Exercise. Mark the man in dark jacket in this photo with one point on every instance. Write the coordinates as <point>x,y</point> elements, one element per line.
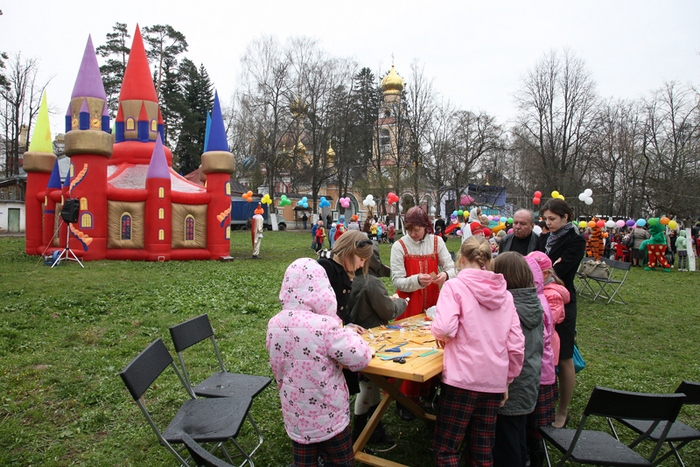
<point>523,239</point>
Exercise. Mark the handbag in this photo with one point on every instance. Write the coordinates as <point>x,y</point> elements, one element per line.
<point>579,362</point>
<point>594,269</point>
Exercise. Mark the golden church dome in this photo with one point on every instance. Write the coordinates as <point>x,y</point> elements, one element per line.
<point>330,152</point>
<point>392,82</point>
<point>300,148</point>
<point>298,107</point>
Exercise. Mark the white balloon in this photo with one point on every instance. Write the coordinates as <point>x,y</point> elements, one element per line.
<point>582,197</point>
<point>432,209</point>
<point>588,201</point>
<point>537,229</point>
<point>372,203</point>
<point>610,224</point>
<point>588,192</point>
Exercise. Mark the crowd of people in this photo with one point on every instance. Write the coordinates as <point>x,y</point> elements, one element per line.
<point>509,298</point>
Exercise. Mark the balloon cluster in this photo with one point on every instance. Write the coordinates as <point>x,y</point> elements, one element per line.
<point>537,197</point>
<point>586,196</point>
<point>369,202</point>
<point>620,223</point>
<point>391,198</point>
<point>344,202</point>
<point>266,199</point>
<point>248,196</point>
<point>324,203</point>
<point>284,201</point>
<point>304,202</point>
<point>556,194</point>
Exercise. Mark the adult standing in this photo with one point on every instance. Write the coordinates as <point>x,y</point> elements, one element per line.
<point>304,219</point>
<point>523,240</point>
<point>416,260</point>
<point>639,234</point>
<point>565,247</point>
<point>256,231</point>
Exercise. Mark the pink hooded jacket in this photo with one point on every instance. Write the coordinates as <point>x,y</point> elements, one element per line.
<point>307,345</point>
<point>557,296</point>
<point>484,345</point>
<point>549,375</point>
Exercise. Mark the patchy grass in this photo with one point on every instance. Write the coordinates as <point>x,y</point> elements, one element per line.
<point>66,332</point>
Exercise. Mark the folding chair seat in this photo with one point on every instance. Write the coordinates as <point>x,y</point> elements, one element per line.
<point>201,456</point>
<point>599,448</point>
<point>221,383</point>
<point>203,420</point>
<point>679,435</point>
<point>584,287</point>
<point>610,288</point>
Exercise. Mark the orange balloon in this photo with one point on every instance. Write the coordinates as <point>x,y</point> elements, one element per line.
<point>591,224</point>
<point>665,220</point>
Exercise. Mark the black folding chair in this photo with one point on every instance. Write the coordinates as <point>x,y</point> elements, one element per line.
<point>600,448</point>
<point>203,420</point>
<point>201,456</point>
<point>679,435</point>
<point>221,383</point>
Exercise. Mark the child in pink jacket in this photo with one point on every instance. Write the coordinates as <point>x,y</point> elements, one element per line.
<point>547,397</point>
<point>308,347</point>
<point>557,295</point>
<point>484,349</point>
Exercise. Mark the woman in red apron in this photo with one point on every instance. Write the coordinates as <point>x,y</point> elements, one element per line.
<point>416,260</point>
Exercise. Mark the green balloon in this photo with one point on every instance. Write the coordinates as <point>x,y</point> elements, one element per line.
<point>653,221</point>
<point>460,213</point>
<point>510,220</point>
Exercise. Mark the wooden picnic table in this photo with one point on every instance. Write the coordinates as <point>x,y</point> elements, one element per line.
<point>423,363</point>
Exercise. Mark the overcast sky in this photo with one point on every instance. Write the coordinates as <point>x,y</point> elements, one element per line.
<point>477,52</point>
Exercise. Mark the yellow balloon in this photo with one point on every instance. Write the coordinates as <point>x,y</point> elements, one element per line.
<point>561,197</point>
<point>673,225</point>
<point>583,224</point>
<point>555,194</point>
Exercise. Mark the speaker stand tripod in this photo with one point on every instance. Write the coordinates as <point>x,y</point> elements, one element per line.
<point>67,253</point>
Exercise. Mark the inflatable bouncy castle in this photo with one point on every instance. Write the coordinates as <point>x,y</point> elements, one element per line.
<point>132,204</point>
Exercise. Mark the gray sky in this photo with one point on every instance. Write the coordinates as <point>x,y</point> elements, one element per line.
<point>477,52</point>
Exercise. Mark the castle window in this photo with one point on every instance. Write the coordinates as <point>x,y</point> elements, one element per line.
<point>387,113</point>
<point>227,187</point>
<point>83,204</point>
<point>154,125</point>
<point>161,213</point>
<point>227,236</point>
<point>161,234</point>
<point>130,124</point>
<point>72,171</point>
<point>384,139</point>
<point>189,228</point>
<point>126,226</point>
<point>161,192</point>
<point>86,220</point>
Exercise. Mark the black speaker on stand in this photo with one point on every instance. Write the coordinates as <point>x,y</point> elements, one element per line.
<point>69,214</point>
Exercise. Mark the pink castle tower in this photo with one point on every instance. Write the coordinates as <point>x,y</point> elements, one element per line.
<point>89,146</point>
<point>158,206</point>
<point>39,162</point>
<point>217,167</point>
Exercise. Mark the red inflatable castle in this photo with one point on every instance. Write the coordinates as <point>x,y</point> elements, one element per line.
<point>132,205</point>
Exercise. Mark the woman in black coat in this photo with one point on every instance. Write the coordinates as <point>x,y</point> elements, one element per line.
<point>565,247</point>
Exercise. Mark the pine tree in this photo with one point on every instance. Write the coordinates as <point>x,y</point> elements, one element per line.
<point>198,99</point>
<point>117,54</point>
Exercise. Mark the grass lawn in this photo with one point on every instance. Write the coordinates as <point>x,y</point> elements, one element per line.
<point>66,332</point>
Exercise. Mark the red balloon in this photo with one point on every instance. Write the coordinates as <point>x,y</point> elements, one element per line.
<point>600,224</point>
<point>536,200</point>
<point>538,194</point>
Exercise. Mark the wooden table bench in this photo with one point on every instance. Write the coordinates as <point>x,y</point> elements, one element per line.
<point>415,335</point>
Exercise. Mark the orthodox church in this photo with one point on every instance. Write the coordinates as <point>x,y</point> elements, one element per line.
<point>132,204</point>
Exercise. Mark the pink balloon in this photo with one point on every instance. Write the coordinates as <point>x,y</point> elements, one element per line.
<point>620,223</point>
<point>510,231</point>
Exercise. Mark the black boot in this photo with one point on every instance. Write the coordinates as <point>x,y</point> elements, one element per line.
<point>380,436</point>
<point>359,422</point>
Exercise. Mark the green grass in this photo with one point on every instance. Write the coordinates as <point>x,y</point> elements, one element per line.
<point>66,332</point>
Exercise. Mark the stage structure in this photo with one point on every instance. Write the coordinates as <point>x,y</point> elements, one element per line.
<point>132,204</point>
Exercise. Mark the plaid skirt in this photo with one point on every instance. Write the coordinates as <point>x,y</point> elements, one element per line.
<point>336,451</point>
<point>544,410</point>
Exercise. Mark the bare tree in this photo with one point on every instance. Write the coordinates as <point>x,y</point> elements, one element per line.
<point>420,110</point>
<point>672,151</point>
<point>557,106</point>
<point>19,105</point>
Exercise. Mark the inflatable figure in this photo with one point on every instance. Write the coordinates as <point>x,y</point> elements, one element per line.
<point>656,246</point>
<point>595,245</point>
